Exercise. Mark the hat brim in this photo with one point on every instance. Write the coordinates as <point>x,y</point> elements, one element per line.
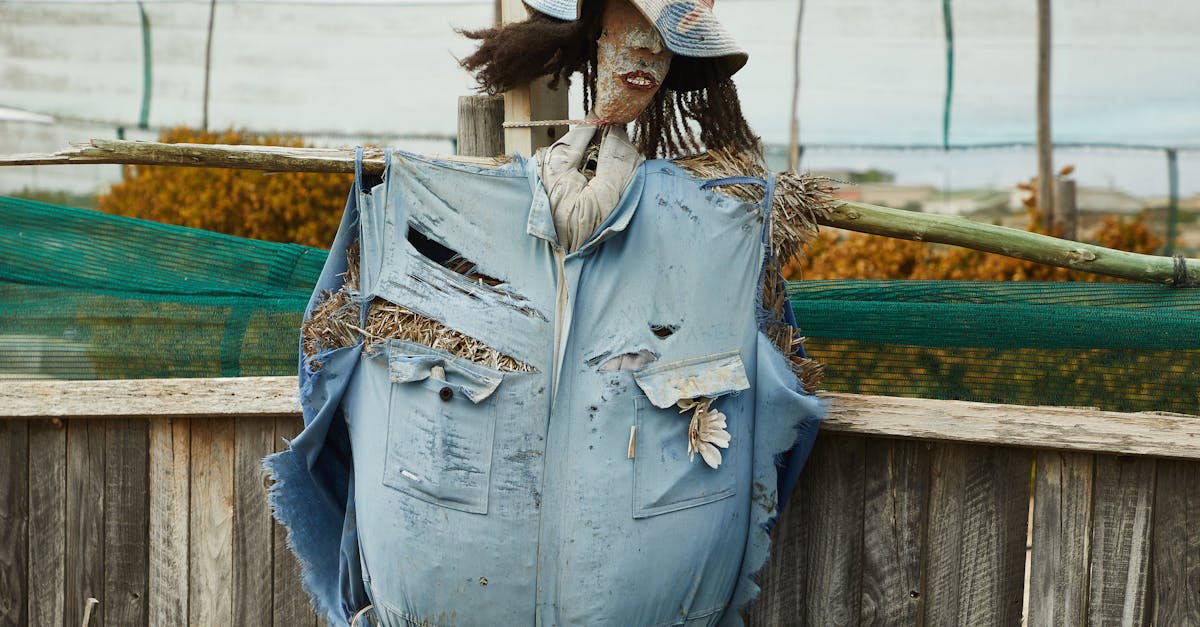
<point>692,73</point>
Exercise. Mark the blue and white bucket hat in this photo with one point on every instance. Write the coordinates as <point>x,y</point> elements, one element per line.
<point>703,49</point>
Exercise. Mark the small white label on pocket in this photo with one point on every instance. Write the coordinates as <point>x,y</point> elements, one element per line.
<point>410,476</point>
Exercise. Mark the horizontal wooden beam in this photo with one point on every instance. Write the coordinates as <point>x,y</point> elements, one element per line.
<point>1015,243</point>
<point>1146,433</point>
<point>239,157</point>
<point>1160,434</point>
<point>251,397</point>
<point>852,216</point>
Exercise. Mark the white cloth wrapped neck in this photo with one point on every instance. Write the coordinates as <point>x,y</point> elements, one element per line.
<point>580,203</point>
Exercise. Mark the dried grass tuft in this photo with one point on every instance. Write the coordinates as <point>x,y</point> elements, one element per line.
<point>334,323</point>
<point>330,326</point>
<point>387,320</point>
<point>809,372</point>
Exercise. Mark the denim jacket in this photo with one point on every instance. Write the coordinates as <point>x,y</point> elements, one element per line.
<point>445,491</point>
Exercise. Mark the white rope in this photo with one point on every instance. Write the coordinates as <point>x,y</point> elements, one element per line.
<point>358,616</point>
<point>531,123</point>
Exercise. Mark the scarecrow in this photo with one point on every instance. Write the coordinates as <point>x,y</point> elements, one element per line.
<point>561,390</point>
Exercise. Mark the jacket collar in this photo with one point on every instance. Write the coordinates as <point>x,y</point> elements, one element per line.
<point>541,221</point>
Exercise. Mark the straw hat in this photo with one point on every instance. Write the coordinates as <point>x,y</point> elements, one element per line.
<point>703,49</point>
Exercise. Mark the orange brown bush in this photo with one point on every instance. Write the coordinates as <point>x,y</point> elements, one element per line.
<point>298,207</point>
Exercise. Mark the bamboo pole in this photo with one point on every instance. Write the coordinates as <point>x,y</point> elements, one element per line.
<point>852,216</point>
<point>1009,242</point>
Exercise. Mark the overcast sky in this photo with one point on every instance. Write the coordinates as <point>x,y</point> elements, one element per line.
<point>873,71</point>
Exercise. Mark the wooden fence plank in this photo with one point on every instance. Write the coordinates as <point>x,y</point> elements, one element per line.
<point>824,536</point>
<point>291,604</point>
<point>170,473</point>
<point>1122,512</point>
<point>783,576</point>
<point>896,498</point>
<point>210,563</point>
<point>85,520</point>
<point>14,518</point>
<point>252,549</point>
<point>1071,428</point>
<point>126,521</point>
<point>47,520</point>
<point>1062,528</point>
<point>1176,540</point>
<point>975,548</point>
<point>833,520</point>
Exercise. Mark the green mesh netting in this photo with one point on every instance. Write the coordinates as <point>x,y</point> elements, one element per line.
<point>1117,346</point>
<point>85,295</point>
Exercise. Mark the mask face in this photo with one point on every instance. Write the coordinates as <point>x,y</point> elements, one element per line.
<point>632,63</point>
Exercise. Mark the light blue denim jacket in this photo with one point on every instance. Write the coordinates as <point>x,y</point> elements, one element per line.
<point>449,493</point>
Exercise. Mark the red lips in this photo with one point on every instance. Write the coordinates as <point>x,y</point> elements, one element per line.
<point>639,79</point>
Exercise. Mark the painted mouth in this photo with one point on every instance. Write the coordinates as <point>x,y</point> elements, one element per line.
<point>639,79</point>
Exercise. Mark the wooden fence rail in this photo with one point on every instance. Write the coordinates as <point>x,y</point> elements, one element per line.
<point>156,506</point>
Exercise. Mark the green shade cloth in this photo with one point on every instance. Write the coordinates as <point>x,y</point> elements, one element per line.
<point>1116,346</point>
<point>85,295</point>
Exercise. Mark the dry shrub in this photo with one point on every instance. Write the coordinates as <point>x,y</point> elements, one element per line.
<point>299,207</point>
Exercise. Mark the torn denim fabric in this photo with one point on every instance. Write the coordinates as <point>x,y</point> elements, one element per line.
<point>445,491</point>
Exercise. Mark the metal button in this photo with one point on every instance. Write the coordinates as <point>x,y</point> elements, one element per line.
<point>446,393</point>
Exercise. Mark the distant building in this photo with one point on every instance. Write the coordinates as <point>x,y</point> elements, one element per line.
<point>1093,200</point>
<point>910,197</point>
<point>1190,203</point>
<point>858,176</point>
<point>967,202</point>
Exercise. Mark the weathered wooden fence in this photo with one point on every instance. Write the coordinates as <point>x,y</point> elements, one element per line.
<point>149,496</point>
<point>163,520</point>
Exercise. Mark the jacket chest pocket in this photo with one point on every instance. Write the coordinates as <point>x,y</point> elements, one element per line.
<point>441,427</point>
<point>666,476</point>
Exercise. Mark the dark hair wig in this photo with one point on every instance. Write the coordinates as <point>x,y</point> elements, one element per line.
<point>514,54</point>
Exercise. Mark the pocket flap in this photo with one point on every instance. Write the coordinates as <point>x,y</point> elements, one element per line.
<point>712,375</point>
<point>409,362</point>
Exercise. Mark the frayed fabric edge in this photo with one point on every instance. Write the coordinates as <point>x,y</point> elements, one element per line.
<point>774,438</point>
<point>291,493</point>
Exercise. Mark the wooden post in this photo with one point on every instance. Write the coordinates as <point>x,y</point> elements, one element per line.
<point>1066,213</point>
<point>1045,146</point>
<point>480,126</point>
<point>535,101</point>
<point>1172,200</point>
<point>212,13</point>
<point>794,149</point>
